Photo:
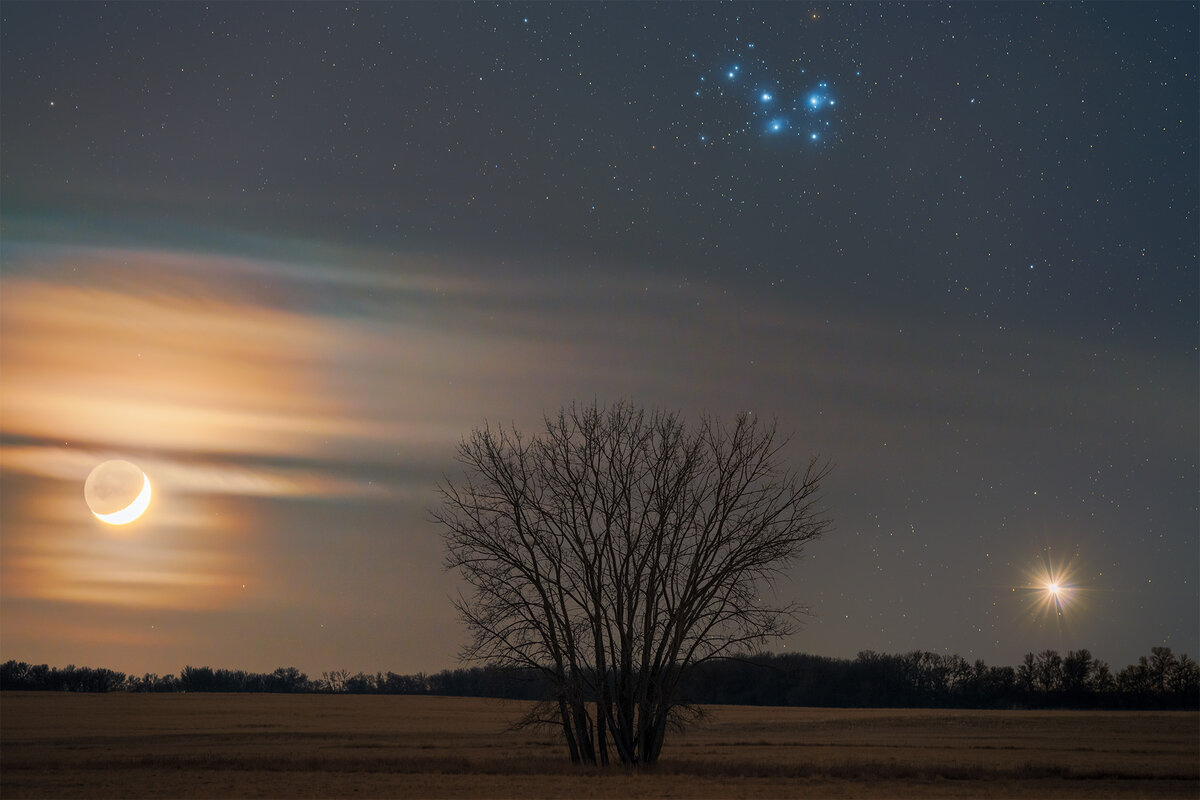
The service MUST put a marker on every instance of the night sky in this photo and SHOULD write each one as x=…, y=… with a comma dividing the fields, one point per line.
x=283, y=257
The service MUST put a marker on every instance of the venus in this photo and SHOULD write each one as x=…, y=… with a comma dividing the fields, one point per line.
x=117, y=492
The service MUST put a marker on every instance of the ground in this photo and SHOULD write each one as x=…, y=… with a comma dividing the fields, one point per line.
x=238, y=745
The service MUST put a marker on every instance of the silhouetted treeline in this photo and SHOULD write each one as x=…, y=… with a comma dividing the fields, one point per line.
x=40, y=677
x=931, y=680
x=918, y=679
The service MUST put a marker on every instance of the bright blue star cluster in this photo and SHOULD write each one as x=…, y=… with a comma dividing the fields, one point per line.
x=744, y=97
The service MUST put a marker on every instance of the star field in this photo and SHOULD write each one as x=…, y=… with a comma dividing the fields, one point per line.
x=284, y=256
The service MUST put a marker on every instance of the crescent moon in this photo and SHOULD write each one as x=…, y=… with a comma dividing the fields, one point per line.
x=132, y=511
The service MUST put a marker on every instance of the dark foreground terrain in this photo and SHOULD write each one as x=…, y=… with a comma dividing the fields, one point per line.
x=212, y=745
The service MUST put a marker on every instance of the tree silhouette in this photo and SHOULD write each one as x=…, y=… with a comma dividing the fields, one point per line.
x=1049, y=671
x=619, y=549
x=1162, y=666
x=1076, y=667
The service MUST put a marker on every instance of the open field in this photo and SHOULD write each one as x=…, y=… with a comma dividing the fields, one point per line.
x=239, y=745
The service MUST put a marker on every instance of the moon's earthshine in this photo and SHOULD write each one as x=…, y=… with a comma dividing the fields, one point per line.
x=117, y=492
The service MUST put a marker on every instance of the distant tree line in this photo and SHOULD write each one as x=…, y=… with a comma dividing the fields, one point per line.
x=931, y=680
x=40, y=677
x=918, y=679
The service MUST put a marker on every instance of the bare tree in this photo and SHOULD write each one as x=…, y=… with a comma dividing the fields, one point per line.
x=618, y=549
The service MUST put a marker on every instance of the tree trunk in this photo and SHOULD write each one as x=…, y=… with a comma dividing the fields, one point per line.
x=601, y=740
x=603, y=705
x=583, y=733
x=572, y=747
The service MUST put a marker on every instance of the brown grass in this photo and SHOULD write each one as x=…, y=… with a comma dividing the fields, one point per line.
x=176, y=745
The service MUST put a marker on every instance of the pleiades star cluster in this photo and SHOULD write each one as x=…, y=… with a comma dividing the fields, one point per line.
x=744, y=97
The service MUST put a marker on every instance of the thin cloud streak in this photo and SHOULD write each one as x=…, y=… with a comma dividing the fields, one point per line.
x=210, y=477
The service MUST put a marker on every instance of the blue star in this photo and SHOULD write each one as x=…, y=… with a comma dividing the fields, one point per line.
x=819, y=97
x=766, y=97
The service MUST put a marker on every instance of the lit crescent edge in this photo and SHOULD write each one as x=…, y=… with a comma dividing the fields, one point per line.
x=132, y=511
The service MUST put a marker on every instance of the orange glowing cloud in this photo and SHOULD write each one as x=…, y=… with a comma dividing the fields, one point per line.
x=93, y=364
x=220, y=355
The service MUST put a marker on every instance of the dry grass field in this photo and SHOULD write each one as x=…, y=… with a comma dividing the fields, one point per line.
x=211, y=745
